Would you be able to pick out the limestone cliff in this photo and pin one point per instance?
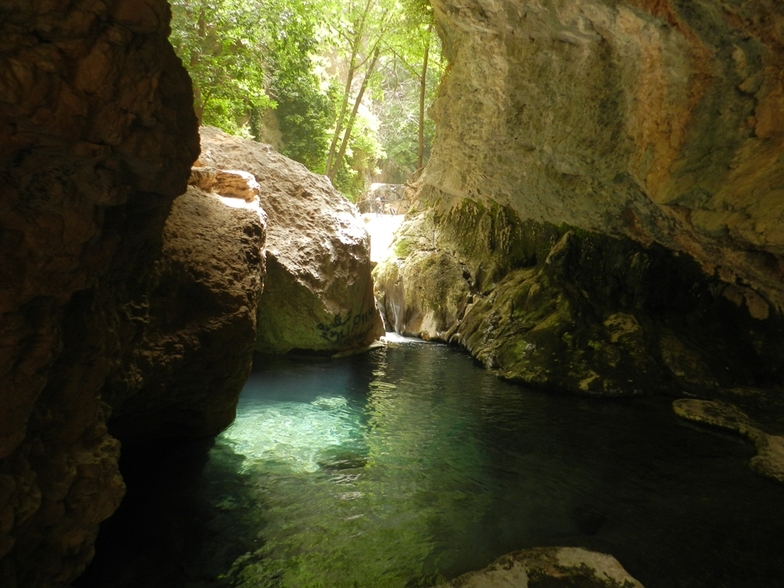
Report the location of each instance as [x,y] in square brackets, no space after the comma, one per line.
[96,139]
[660,120]
[318,291]
[602,211]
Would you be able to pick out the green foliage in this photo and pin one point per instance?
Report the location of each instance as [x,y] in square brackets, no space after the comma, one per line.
[363,153]
[304,111]
[222,46]
[364,107]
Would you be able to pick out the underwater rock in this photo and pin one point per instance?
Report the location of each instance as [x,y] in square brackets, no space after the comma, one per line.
[194,328]
[554,567]
[768,462]
[318,290]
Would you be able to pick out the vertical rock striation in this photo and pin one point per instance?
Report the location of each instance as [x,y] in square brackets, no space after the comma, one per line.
[97,136]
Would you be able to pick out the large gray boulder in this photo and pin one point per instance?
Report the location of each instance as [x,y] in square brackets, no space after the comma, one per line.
[318,291]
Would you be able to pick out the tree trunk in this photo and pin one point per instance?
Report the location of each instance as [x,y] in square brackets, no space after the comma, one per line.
[355,46]
[332,172]
[422,92]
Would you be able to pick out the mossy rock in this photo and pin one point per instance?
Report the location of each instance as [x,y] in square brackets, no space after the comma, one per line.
[573,310]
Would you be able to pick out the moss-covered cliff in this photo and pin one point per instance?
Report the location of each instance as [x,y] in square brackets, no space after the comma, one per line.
[565,308]
[603,208]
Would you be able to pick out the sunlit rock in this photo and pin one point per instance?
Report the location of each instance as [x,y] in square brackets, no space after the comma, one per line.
[318,292]
[556,567]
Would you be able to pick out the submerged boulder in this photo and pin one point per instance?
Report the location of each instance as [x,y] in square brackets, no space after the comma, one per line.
[318,291]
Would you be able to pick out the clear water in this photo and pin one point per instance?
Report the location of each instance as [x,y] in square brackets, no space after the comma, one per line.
[411,464]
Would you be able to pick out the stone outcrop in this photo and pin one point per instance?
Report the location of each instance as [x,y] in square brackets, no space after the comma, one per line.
[318,290]
[655,119]
[97,137]
[768,462]
[192,332]
[602,211]
[554,567]
[563,308]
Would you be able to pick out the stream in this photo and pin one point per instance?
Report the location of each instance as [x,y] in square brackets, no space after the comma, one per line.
[411,464]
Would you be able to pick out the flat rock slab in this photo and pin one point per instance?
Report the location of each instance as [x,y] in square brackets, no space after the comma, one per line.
[550,567]
[768,462]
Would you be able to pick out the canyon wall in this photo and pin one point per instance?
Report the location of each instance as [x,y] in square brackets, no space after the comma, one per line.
[602,211]
[660,120]
[97,136]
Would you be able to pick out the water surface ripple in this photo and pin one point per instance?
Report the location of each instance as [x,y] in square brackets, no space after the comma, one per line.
[412,464]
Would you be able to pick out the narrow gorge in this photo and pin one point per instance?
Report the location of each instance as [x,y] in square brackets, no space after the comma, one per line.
[602,214]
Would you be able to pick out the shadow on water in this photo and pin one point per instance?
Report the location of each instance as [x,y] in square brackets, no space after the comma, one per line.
[411,464]
[175,527]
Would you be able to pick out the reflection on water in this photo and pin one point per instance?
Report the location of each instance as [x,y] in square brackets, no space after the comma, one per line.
[411,464]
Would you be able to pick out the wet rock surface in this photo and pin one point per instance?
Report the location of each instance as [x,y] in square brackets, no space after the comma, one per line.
[318,290]
[768,462]
[563,308]
[551,567]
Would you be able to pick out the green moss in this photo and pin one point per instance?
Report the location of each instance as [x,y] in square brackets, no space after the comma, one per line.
[403,248]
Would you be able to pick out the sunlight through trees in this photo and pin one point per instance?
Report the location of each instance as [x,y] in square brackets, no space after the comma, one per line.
[339,85]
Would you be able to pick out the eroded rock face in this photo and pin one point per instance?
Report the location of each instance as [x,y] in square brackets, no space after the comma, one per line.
[97,136]
[318,289]
[582,148]
[655,119]
[562,308]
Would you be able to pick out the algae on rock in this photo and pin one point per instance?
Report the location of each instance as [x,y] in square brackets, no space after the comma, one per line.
[568,309]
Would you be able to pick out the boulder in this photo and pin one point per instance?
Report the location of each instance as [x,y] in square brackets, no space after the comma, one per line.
[318,290]
[191,334]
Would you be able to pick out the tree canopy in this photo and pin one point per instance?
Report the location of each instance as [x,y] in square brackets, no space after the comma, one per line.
[339,85]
